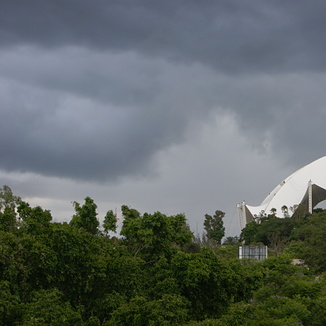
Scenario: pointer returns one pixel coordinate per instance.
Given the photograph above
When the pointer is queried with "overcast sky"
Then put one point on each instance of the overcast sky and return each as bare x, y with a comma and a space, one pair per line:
180, 106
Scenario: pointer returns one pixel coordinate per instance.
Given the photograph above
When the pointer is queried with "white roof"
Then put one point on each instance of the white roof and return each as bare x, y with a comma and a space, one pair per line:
294, 190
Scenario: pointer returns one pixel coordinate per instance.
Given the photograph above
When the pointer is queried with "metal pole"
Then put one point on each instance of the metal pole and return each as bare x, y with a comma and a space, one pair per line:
310, 196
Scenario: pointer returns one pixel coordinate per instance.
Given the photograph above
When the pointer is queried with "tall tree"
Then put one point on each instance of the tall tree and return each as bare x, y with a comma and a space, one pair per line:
35, 219
213, 226
248, 233
110, 222
7, 199
8, 205
86, 216
152, 235
8, 219
203, 279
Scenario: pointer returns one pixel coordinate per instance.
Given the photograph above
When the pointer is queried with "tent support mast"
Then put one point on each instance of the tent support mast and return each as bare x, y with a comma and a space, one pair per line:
310, 196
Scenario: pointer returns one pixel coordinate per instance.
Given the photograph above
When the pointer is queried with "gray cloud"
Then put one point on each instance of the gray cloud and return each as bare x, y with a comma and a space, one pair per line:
122, 98
74, 113
61, 127
234, 36
196, 177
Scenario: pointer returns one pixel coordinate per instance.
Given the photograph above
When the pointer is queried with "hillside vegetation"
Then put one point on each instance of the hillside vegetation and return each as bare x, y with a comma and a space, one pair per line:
155, 272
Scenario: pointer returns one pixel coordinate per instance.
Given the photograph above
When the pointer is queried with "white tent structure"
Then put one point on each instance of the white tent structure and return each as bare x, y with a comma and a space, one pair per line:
305, 187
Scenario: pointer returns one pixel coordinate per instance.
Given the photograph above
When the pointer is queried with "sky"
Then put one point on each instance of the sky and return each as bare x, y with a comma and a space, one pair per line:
180, 106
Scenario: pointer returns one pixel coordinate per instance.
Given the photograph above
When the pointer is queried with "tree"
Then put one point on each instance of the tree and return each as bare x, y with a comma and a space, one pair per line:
285, 211
110, 222
248, 233
7, 199
35, 219
273, 211
311, 244
47, 308
8, 220
86, 216
287, 295
8, 205
213, 226
152, 235
10, 310
203, 280
231, 240
166, 311
275, 232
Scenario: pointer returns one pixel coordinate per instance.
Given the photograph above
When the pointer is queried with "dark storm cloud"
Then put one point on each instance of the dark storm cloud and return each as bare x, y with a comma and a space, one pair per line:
87, 118
231, 35
88, 141
94, 89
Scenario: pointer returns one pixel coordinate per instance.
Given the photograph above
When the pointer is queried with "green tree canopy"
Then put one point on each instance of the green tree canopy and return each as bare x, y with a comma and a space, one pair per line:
110, 222
35, 219
310, 244
152, 235
86, 216
55, 273
7, 198
8, 206
213, 226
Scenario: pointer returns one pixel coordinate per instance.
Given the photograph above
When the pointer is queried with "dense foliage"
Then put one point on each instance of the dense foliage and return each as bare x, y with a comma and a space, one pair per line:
78, 273
213, 226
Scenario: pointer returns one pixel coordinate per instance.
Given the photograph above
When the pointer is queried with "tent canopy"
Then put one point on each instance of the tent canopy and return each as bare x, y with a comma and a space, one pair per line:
306, 186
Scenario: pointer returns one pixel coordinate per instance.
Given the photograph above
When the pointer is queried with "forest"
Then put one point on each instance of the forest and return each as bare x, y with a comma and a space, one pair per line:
155, 271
